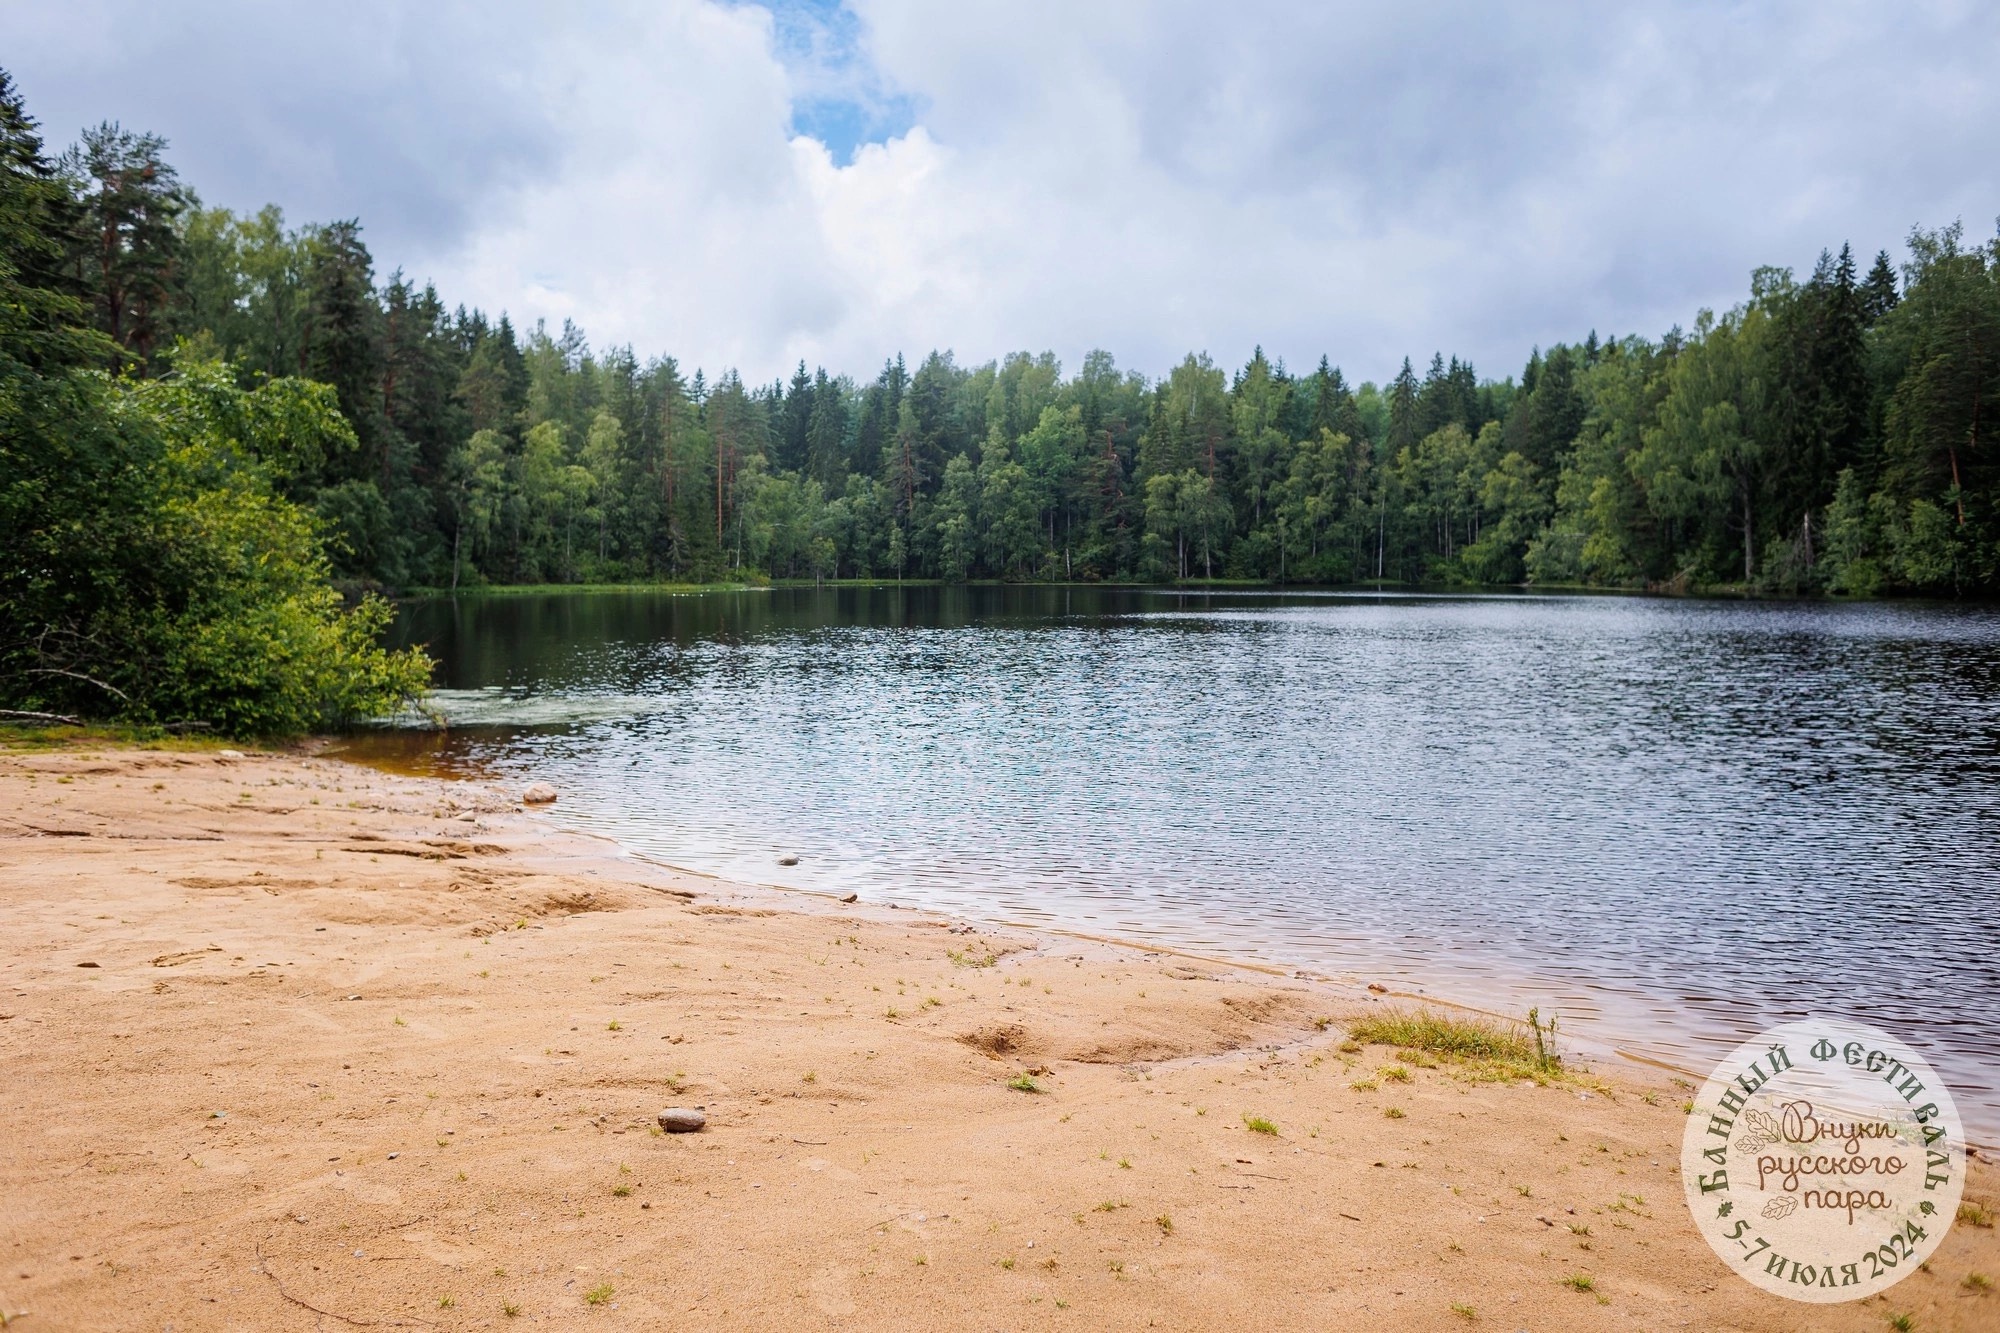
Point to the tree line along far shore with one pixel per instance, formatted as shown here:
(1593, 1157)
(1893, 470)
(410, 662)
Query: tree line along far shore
(1832, 434)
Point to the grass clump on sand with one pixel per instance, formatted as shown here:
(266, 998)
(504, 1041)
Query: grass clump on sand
(1485, 1047)
(1257, 1124)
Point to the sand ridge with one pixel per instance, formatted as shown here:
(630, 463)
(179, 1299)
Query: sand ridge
(289, 1043)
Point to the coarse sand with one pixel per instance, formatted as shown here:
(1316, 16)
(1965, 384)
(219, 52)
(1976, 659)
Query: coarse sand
(289, 1043)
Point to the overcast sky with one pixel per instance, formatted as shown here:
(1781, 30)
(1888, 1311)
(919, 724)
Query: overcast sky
(742, 185)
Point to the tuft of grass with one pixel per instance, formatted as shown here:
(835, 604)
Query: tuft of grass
(613, 1026)
(1395, 1074)
(1257, 1124)
(1464, 1311)
(1506, 1050)
(812, 1076)
(401, 1024)
(1111, 1206)
(510, 1309)
(446, 1302)
(1580, 1282)
(1978, 1282)
(1024, 1083)
(598, 1294)
(1394, 1113)
(1363, 1085)
(1975, 1214)
(1165, 1224)
(1902, 1323)
(964, 958)
(1008, 1262)
(621, 1192)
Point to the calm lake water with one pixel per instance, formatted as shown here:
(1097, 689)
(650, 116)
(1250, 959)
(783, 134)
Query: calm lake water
(1672, 821)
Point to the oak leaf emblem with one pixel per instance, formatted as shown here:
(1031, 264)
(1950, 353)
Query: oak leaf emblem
(1782, 1206)
(1763, 1130)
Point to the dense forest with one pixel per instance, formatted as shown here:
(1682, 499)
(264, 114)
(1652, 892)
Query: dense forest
(153, 568)
(1833, 434)
(1830, 434)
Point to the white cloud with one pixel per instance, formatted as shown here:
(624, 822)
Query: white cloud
(1145, 175)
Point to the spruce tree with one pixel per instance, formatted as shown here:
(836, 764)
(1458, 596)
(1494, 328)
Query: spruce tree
(1878, 292)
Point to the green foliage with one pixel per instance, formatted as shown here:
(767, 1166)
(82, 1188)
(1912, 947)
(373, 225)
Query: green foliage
(1829, 435)
(151, 569)
(157, 576)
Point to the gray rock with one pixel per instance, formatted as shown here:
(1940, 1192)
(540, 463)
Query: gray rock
(683, 1119)
(788, 860)
(540, 793)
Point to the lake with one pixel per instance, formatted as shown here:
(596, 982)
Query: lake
(1672, 821)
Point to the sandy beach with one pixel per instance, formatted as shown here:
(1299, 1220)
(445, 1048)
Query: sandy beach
(292, 1043)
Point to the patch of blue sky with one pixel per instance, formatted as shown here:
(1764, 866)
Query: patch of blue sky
(841, 99)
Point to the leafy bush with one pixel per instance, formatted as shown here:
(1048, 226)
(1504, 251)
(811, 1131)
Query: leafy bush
(154, 574)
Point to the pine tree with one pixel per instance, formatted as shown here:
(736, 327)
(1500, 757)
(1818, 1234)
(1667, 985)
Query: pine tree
(127, 245)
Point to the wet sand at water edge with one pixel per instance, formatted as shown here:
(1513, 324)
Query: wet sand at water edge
(291, 1043)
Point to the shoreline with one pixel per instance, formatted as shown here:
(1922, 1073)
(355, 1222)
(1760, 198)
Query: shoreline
(293, 1034)
(1602, 1023)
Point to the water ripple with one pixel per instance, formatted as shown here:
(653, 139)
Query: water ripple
(1685, 819)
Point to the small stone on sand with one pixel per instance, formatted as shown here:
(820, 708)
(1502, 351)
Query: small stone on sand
(788, 860)
(540, 793)
(851, 898)
(683, 1119)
